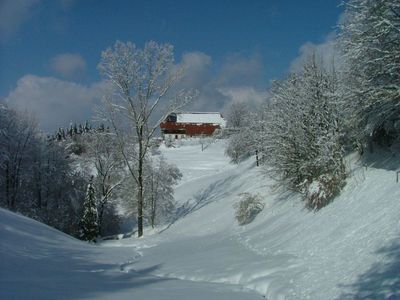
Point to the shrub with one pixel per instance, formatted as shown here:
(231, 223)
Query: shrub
(247, 208)
(322, 190)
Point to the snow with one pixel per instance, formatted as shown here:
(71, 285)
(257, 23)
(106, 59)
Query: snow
(38, 262)
(347, 250)
(201, 117)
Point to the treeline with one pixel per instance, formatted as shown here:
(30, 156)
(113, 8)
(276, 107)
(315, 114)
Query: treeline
(75, 130)
(36, 175)
(316, 115)
(77, 183)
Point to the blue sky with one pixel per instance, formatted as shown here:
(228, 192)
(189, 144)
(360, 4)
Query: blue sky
(234, 48)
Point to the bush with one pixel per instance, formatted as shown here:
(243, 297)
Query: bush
(247, 208)
(322, 190)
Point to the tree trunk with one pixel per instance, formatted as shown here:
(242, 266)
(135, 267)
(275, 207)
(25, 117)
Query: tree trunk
(140, 190)
(100, 218)
(257, 158)
(8, 185)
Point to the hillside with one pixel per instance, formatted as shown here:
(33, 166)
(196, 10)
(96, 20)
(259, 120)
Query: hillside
(348, 250)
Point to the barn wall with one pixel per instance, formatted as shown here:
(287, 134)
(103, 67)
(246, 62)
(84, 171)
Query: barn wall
(190, 129)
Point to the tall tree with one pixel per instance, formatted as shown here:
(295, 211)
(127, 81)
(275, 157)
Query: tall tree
(370, 44)
(142, 80)
(17, 135)
(160, 181)
(36, 175)
(104, 158)
(301, 134)
(237, 115)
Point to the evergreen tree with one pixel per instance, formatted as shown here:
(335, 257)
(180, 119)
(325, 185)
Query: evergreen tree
(90, 226)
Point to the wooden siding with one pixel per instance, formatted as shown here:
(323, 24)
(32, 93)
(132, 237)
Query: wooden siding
(190, 129)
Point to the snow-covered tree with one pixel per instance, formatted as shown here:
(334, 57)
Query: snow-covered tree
(237, 115)
(240, 145)
(17, 136)
(240, 122)
(160, 181)
(141, 79)
(369, 41)
(36, 175)
(105, 161)
(301, 133)
(90, 228)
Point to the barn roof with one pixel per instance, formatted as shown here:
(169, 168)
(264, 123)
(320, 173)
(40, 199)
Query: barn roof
(201, 117)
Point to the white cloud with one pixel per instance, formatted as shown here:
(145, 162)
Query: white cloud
(196, 68)
(54, 102)
(240, 70)
(13, 13)
(237, 80)
(326, 52)
(248, 95)
(68, 65)
(58, 102)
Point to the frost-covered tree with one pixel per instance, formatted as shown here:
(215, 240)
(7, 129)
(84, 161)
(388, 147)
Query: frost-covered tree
(160, 181)
(301, 136)
(17, 136)
(90, 228)
(240, 143)
(369, 41)
(106, 163)
(141, 80)
(36, 175)
(237, 115)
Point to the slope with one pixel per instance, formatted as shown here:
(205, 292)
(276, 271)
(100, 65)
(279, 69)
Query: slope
(348, 250)
(38, 262)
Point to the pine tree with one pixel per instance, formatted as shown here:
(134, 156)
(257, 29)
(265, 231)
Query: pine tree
(89, 220)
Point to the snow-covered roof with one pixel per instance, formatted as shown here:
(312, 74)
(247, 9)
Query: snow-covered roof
(200, 117)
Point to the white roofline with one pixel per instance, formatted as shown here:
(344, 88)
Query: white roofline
(197, 112)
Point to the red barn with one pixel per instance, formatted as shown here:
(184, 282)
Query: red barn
(188, 124)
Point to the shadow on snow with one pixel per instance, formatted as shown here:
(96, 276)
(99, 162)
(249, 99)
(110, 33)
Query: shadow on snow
(382, 279)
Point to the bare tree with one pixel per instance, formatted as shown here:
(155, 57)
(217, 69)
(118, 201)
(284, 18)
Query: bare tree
(160, 181)
(106, 160)
(17, 132)
(300, 141)
(237, 115)
(369, 42)
(142, 79)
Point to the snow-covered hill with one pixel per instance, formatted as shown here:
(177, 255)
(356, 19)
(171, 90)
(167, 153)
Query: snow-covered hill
(38, 262)
(348, 250)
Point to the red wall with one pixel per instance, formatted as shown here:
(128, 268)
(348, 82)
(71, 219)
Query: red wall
(189, 128)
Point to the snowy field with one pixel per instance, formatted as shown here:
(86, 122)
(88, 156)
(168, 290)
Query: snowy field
(348, 250)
